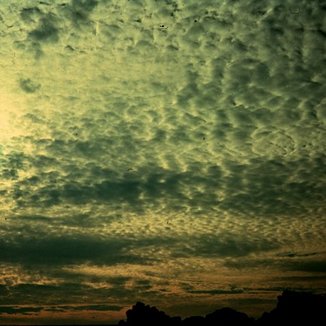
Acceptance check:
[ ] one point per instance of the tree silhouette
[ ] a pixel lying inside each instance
(293, 308)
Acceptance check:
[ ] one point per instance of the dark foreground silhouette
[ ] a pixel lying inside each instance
(293, 308)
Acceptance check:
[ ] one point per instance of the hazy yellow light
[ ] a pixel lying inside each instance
(11, 111)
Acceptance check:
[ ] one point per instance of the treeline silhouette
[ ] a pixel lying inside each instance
(293, 308)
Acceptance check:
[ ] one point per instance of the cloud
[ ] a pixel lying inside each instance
(28, 86)
(258, 188)
(12, 310)
(226, 246)
(216, 291)
(310, 279)
(160, 133)
(311, 266)
(46, 31)
(30, 310)
(62, 250)
(294, 254)
(83, 308)
(80, 10)
(65, 293)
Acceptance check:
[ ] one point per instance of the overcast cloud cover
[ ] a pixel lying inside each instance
(159, 150)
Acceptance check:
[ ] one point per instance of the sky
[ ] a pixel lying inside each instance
(164, 151)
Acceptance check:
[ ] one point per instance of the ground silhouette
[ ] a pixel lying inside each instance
(293, 308)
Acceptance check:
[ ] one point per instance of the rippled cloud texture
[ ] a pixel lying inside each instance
(165, 151)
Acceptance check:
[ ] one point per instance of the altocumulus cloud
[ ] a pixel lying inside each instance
(145, 136)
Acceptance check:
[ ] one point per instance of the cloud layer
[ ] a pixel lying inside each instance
(156, 140)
